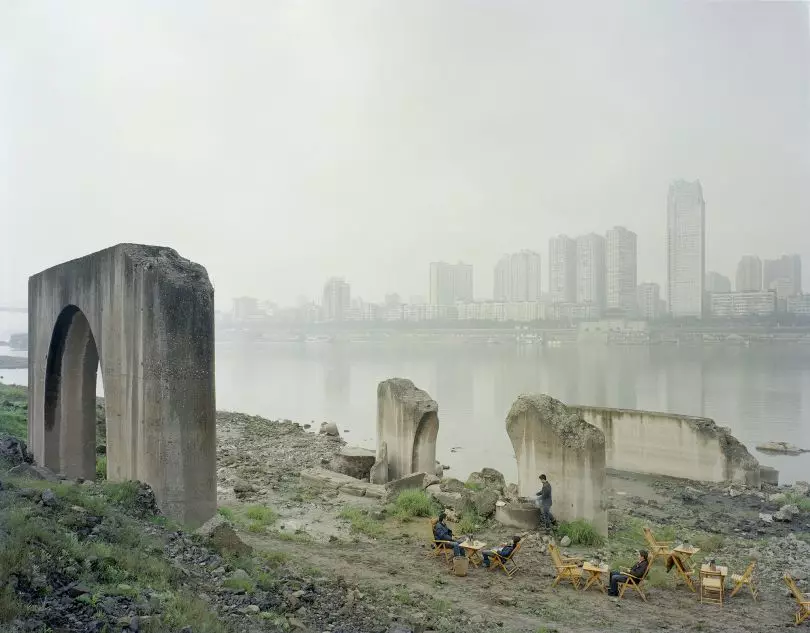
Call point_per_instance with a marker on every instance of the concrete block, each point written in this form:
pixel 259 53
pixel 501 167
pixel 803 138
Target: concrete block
pixel 521 516
pixel 414 481
pixel 379 471
pixel 353 461
pixel 375 491
pixel 447 499
pixel 768 475
pixel 322 478
pixel 550 438
pixel 408 423
pixel 148 316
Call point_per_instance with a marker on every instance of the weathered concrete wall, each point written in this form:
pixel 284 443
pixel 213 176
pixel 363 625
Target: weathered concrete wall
pixel 669 444
pixel 550 438
pixel 148 315
pixel 407 426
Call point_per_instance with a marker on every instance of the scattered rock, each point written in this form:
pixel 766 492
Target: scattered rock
pixel 354 461
pixel 14 451
pixel 484 501
pixel 34 471
pixel 565 541
pixel 786 513
pixel 330 429
pixel 780 447
pixel 220 534
pixel 48 498
pixel 801 488
pixel 415 480
pixel 766 518
pixel 778 497
pixel 488 478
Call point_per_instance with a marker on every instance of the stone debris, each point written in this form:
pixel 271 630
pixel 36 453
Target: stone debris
pixel 354 461
pixel 330 429
pixel 781 447
pixel 14 451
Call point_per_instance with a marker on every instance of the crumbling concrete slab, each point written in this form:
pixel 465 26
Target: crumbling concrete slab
pixel 147 315
pixel 407 424
pixel 354 461
pixel 521 516
pixel 379 471
pixel 415 481
pixel 322 478
pixel 550 438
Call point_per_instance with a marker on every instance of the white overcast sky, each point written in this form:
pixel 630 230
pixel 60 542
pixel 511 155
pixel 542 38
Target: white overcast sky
pixel 282 142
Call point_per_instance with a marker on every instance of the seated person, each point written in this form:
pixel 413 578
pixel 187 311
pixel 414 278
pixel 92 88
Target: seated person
pixel 638 571
pixel 503 551
pixel 443 533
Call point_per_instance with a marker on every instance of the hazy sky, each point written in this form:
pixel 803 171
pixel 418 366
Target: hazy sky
pixel 282 142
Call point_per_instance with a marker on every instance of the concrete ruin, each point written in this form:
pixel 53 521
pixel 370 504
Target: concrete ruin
pixel 147 315
pixel 550 438
pixel 673 445
pixel 407 426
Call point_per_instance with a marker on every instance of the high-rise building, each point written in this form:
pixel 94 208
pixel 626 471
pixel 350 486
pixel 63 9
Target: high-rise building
pixel 715 282
pixel 621 270
pixel 517 277
pixel 450 283
pixel 686 248
pixel 245 308
pixel 786 267
pixel 336 299
pixel 562 269
pixel 743 304
pixel 649 300
pixel 749 274
pixel 591 270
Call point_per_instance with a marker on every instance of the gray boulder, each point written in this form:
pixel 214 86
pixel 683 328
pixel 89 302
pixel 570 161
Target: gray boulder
pixel 14 451
pixel 786 513
pixel 446 499
pixel 34 471
pixel 453 485
pixel 330 429
pixel 483 501
pixel 220 534
pixel 354 461
pixel 415 480
pixel 488 478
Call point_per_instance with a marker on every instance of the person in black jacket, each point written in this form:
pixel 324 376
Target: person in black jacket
pixel 443 533
pixel 544 502
pixel 638 571
pixel 503 551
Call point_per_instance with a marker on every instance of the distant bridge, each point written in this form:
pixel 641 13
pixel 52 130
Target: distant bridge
pixel 16 310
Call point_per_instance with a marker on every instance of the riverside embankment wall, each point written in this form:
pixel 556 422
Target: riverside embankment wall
pixel 670 444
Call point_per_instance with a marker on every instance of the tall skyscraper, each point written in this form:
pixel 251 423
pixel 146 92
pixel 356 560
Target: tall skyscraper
pixel 715 282
pixel 450 283
pixel 649 299
pixel 562 269
pixel 621 270
pixel 336 299
pixel 749 274
pixel 787 267
pixel 517 277
pixel 591 269
pixel 686 248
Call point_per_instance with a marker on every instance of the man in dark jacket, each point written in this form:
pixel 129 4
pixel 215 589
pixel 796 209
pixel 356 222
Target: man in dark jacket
pixel 638 570
pixel 443 533
pixel 544 501
pixel 502 551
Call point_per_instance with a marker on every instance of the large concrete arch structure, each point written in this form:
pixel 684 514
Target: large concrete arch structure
pixel 147 315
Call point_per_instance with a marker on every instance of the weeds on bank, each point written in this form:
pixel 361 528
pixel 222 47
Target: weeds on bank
pixel 101 467
pixel 260 517
pixel 581 532
pixel 801 502
pixel 413 503
pixel 14 411
pixel 361 522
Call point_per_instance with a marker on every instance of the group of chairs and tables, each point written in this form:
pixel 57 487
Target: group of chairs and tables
pixel 473 551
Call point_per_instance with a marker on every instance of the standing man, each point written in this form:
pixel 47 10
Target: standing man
pixel 544 501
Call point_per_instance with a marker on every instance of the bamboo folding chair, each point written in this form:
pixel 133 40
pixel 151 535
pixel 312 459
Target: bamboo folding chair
pixel 747 578
pixel 507 563
pixel 657 548
pixel 440 548
pixel 568 568
pixel 802 600
pixel 711 587
pixel 633 581
pixel 683 570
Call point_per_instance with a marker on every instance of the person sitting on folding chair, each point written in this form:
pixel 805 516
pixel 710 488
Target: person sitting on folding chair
pixel 503 551
pixel 638 570
pixel 443 533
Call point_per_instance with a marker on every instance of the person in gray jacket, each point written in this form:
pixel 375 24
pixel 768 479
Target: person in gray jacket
pixel 544 502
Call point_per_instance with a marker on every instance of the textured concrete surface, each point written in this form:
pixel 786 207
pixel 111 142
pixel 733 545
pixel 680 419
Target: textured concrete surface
pixel 353 461
pixel 148 315
pixel 670 444
pixel 407 424
pixel 550 438
pixel 522 516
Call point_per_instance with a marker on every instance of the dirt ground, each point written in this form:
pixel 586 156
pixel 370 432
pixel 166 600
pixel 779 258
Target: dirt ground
pixel 395 573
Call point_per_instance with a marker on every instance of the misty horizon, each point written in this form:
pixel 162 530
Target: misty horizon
pixel 294 142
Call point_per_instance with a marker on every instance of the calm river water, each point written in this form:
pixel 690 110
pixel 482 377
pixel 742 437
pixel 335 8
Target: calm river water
pixel 762 393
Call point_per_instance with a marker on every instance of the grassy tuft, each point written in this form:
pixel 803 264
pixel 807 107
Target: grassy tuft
pixel 239 584
pixel 14 411
pixel 274 559
pixel 581 532
pixel 228 513
pixel 415 503
pixel 802 502
pixel 361 522
pixel 101 467
pixel 261 515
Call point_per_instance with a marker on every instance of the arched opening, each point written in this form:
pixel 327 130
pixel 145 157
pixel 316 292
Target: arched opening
pixel 70 396
pixel 424 444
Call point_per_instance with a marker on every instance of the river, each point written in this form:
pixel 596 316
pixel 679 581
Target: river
pixel 762 393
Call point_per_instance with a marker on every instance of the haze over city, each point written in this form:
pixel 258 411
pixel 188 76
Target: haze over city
pixel 295 141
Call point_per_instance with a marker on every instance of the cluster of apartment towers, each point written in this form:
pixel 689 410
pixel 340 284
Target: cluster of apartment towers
pixel 596 273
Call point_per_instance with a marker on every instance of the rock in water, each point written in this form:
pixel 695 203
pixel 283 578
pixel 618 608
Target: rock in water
pixel 330 429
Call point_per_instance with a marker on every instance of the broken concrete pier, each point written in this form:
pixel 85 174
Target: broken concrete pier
pixel 550 438
pixel 147 315
pixel 407 426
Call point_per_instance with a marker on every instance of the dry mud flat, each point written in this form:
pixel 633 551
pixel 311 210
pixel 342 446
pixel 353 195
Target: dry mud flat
pixel 390 579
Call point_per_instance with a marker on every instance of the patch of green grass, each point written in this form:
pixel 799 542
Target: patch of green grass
pixel 581 532
pixel 472 485
pixel 361 522
pixel 415 503
pixel 469 523
pixel 273 558
pixel 122 493
pixel 240 584
pixel 228 513
pixel 101 467
pixel 801 502
pixel 709 543
pixel 257 527
pixel 184 608
pixel 14 411
pixel 261 514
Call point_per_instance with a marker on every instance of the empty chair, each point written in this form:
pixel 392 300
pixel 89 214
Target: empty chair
pixel 657 548
pixel 711 586
pixel 746 579
pixel 568 568
pixel 802 600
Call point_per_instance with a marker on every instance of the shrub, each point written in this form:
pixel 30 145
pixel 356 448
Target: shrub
pixel 228 513
pixel 101 467
pixel 801 502
pixel 469 523
pixel 274 559
pixel 415 503
pixel 580 532
pixel 361 522
pixel 239 584
pixel 261 515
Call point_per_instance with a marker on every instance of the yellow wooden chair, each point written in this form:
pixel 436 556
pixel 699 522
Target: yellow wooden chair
pixel 802 600
pixel 440 548
pixel 711 587
pixel 634 582
pixel 568 568
pixel 507 563
pixel 657 548
pixel 746 579
pixel 684 571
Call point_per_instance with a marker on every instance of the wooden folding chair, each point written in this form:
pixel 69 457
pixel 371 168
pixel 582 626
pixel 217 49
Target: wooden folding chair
pixel 507 563
pixel 711 587
pixel 657 548
pixel 684 571
pixel 568 568
pixel 747 578
pixel 802 600
pixel 634 582
pixel 440 548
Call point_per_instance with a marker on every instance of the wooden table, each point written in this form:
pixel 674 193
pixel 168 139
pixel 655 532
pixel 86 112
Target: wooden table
pixel 683 565
pixel 595 576
pixel 473 551
pixel 722 569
